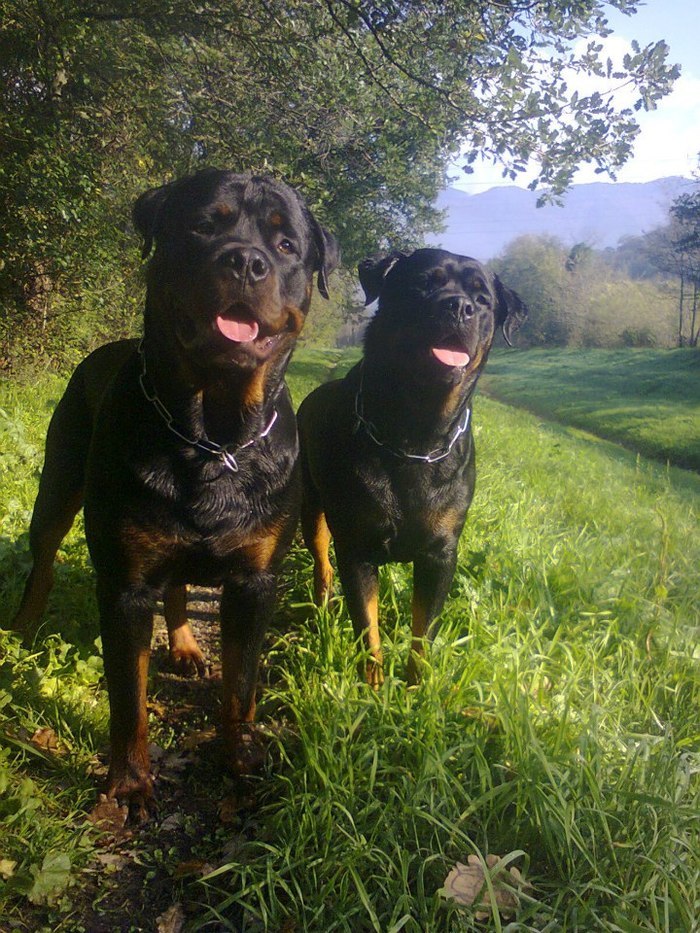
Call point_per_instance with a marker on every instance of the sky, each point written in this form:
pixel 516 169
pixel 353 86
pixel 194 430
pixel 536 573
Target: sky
pixel 669 141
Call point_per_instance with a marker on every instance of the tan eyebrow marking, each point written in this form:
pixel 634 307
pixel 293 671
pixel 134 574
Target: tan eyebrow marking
pixel 276 219
pixel 223 210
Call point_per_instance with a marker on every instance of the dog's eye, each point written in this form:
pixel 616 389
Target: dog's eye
pixel 286 246
pixel 482 300
pixel 205 227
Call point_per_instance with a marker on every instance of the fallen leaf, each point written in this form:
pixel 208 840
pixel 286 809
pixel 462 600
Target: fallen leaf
pixel 109 817
pixel 45 738
pixel 174 821
pixel 98 768
pixel 111 861
pixel 466 884
pixel 7 868
pixel 192 867
pixel 198 737
pixel 172 921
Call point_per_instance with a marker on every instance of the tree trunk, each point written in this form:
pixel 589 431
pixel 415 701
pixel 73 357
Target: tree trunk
pixel 681 301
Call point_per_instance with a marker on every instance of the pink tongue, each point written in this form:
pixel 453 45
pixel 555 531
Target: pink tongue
pixel 240 331
pixel 451 357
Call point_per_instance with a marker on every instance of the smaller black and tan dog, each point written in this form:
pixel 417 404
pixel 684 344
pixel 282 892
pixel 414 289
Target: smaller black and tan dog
pixel 387 452
pixel 184 448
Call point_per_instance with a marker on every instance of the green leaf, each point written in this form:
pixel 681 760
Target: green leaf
pixel 51 879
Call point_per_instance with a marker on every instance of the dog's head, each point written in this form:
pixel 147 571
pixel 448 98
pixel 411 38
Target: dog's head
pixel 230 281
pixel 438 312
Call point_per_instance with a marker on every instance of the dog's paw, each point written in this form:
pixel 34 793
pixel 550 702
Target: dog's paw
pixel 186 657
pixel 132 788
pixel 188 662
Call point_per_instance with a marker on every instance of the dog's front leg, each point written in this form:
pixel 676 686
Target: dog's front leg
pixel 361 587
pixel 126 622
pixel 185 654
pixel 247 604
pixel 432 576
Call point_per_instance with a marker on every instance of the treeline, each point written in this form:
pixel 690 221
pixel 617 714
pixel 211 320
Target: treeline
pixel 644 293
pixel 360 104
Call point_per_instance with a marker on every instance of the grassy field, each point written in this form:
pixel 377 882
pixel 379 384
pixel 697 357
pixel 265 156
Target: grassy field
pixel 648 400
pixel 557 727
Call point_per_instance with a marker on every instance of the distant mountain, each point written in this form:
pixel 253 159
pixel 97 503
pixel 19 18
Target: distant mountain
pixel 599 214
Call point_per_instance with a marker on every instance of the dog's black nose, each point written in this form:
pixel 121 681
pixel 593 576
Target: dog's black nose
pixel 247 264
pixel 458 305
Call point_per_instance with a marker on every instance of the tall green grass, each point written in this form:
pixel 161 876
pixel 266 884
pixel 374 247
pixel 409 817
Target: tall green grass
pixel 557 724
pixel 648 400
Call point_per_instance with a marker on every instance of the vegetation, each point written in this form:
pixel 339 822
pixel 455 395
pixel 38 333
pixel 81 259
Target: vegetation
pixel 557 726
pixel 360 104
pixel 648 400
pixel 672 250
pixel 577 298
pixel 685 247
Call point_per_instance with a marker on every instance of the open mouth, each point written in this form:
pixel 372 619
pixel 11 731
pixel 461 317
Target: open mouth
pixel 449 357
pixel 451 354
pixel 241 329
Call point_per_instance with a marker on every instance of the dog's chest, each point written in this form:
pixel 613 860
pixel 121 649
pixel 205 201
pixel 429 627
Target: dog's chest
pixel 190 520
pixel 210 504
pixel 403 511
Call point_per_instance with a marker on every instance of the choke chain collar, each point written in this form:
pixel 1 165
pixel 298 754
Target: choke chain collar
pixel 434 456
pixel 226 453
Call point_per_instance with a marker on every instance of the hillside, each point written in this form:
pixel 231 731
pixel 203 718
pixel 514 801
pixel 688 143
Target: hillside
pixel 646 400
pixel 599 214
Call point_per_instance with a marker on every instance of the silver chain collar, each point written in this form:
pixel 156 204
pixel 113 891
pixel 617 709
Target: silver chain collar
pixel 440 453
pixel 226 453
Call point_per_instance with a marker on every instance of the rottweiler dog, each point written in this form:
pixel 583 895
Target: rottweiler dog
pixel 387 452
pixel 183 448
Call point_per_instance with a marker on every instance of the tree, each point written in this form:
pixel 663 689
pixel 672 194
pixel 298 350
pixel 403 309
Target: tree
pixel 360 103
pixel 576 297
pixel 535 266
pixel 685 240
pixel 672 250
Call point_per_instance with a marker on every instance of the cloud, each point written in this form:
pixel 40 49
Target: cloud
pixel 669 138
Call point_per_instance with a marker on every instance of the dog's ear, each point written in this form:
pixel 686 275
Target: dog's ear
pixel 328 252
pixel 145 214
pixel 511 310
pixel 373 271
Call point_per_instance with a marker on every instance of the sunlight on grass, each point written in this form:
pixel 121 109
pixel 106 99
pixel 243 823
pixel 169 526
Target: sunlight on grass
pixel 648 400
pixel 556 725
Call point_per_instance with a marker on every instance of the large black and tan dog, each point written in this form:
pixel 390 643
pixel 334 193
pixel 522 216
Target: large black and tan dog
pixel 387 452
pixel 183 448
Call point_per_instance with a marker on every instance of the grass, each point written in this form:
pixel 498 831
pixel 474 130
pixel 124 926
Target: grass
pixel 557 725
pixel 648 400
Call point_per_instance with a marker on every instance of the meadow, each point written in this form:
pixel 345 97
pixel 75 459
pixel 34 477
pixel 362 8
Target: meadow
pixel 557 727
pixel 648 400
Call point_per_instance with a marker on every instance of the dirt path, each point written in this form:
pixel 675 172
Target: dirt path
pixel 140 878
